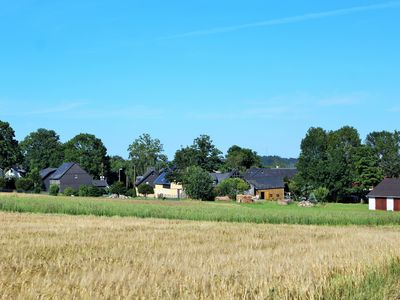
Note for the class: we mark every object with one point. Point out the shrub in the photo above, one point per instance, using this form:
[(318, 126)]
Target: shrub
[(69, 191), (94, 191), (118, 188), (2, 183), (10, 184), (198, 184), (131, 193), (84, 191), (145, 189), (54, 189), (321, 194), (232, 187), (24, 184)]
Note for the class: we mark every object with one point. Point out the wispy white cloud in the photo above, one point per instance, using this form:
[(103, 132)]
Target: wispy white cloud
[(287, 20)]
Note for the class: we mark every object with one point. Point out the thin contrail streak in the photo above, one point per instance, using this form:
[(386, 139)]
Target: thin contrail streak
[(287, 20)]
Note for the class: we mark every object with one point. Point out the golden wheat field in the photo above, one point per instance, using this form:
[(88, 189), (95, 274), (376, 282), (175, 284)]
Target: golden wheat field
[(65, 257)]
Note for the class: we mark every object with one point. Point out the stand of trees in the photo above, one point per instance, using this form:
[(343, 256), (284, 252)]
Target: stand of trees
[(336, 161), (340, 162)]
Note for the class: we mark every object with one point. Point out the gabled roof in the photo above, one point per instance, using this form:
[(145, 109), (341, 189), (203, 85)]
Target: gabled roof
[(162, 179), (388, 188), (266, 183), (218, 177), (46, 172), (62, 170), (149, 177), (264, 178)]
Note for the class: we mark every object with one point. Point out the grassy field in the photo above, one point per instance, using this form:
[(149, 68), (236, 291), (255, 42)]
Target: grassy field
[(87, 257), (331, 214)]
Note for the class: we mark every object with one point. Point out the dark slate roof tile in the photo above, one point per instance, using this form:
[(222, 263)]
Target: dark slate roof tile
[(62, 170), (46, 172), (389, 187)]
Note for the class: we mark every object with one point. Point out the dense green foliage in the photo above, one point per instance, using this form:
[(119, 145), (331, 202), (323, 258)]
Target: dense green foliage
[(89, 191), (202, 153), (273, 161), (145, 189), (89, 152), (131, 193), (69, 191), (337, 161), (231, 187), (386, 147), (118, 188), (24, 184), (321, 194), (146, 152), (238, 158), (9, 150), (198, 183), (2, 183), (269, 212), (54, 189), (42, 149)]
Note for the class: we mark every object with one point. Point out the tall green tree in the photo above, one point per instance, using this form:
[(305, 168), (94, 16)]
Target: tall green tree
[(312, 161), (9, 151), (327, 160), (90, 152), (366, 171), (386, 147), (342, 145), (238, 158), (198, 183), (202, 153), (146, 152), (42, 149)]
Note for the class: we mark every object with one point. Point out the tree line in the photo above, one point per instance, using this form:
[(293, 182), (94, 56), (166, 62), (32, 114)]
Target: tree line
[(336, 163), (43, 149), (340, 163)]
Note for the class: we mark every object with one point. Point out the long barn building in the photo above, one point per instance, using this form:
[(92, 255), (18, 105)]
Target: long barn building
[(386, 195)]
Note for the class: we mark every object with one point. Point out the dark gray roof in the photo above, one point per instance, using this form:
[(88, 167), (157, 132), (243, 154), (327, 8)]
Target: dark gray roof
[(389, 187), (264, 179), (276, 172), (100, 183), (46, 172), (218, 177), (149, 177), (62, 170), (266, 182)]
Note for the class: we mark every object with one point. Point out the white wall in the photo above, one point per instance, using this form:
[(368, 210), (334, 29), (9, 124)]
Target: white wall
[(390, 204), (371, 203)]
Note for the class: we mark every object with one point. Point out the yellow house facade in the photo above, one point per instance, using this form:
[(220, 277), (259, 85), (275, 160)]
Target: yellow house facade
[(271, 194), (172, 190)]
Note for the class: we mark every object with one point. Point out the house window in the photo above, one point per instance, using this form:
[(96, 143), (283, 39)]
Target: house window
[(277, 195), (270, 196)]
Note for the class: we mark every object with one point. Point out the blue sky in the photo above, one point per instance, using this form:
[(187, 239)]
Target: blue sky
[(253, 73)]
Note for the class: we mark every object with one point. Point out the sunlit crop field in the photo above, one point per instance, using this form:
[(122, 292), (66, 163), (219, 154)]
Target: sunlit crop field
[(59, 256)]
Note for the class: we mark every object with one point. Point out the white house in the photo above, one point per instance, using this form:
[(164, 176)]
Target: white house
[(386, 195)]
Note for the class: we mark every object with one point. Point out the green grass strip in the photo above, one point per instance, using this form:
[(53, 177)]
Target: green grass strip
[(271, 212)]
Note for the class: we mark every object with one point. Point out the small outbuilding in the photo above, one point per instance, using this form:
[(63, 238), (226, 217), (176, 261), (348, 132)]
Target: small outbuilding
[(386, 195)]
